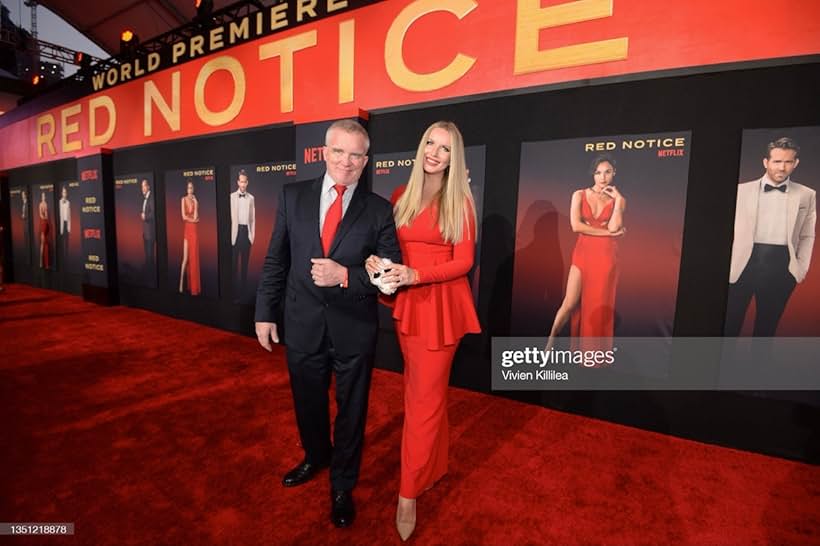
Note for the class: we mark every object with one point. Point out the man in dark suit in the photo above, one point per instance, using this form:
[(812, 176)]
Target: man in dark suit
[(148, 229), (314, 278)]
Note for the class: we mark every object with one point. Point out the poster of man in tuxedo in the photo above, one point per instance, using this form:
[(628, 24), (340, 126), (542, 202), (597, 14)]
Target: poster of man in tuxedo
[(135, 204), (253, 199), (774, 285), (68, 226)]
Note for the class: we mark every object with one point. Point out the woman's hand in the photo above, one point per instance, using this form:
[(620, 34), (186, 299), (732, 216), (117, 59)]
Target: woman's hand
[(399, 275), (618, 233), (373, 264), (613, 192)]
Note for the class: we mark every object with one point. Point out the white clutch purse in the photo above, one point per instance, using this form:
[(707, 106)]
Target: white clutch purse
[(376, 278)]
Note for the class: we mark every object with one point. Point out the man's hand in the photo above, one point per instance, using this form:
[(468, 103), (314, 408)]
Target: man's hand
[(265, 331), (325, 272)]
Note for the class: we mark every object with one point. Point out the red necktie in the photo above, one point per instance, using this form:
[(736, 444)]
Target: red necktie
[(332, 219)]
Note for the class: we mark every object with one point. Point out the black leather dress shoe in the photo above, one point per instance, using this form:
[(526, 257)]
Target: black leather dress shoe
[(342, 511), (301, 474)]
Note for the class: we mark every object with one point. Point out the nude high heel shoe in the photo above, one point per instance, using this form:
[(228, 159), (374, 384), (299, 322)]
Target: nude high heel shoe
[(406, 517)]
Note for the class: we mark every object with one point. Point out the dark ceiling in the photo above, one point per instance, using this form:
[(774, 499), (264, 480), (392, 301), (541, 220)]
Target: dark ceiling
[(103, 21)]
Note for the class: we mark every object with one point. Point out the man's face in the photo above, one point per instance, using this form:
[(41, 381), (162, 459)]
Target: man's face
[(242, 183), (144, 187), (345, 156), (780, 164)]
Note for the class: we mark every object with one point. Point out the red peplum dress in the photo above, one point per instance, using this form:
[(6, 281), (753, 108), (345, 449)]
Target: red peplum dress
[(596, 258), (431, 317), (190, 235)]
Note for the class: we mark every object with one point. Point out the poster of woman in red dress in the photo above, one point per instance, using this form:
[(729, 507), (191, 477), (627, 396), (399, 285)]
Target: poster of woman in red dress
[(191, 231), (586, 265), (597, 216)]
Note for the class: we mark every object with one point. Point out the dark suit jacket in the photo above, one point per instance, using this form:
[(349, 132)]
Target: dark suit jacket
[(286, 290), (148, 228)]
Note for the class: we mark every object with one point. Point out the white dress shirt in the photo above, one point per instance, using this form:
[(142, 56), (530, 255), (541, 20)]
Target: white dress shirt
[(329, 195), (772, 227)]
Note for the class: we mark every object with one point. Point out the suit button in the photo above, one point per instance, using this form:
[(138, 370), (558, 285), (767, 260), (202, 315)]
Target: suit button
[(327, 305)]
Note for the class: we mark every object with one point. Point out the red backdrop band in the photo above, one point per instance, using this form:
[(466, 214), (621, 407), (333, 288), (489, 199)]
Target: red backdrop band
[(404, 52)]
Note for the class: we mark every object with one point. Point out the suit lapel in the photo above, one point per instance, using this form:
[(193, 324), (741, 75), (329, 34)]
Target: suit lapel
[(794, 206), (354, 209), (313, 202)]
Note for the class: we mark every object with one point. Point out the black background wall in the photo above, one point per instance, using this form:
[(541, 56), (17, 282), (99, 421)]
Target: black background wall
[(272, 144), (716, 107), (44, 173)]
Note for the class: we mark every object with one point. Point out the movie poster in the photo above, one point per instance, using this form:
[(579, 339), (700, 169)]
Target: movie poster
[(67, 229), (774, 278), (254, 192), (620, 270), (391, 170), (190, 219), (43, 225), (134, 199), (20, 205)]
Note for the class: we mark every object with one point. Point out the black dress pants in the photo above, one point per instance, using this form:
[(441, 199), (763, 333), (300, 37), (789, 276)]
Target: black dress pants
[(767, 279), (310, 375)]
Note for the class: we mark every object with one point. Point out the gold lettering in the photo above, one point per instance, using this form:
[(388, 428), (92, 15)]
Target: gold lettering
[(138, 70), (278, 16), (196, 46), (125, 72), (347, 33), (69, 128), (177, 50), (303, 7), (399, 72), (111, 76), (239, 31), (285, 49), (532, 18), (233, 67), (153, 61), (103, 101), (170, 114), (46, 138), (333, 5), (216, 38), (98, 81)]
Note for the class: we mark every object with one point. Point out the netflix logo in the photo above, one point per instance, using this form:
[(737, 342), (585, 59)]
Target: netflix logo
[(314, 154), (90, 174)]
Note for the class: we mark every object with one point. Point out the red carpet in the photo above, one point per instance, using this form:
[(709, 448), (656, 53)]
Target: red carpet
[(143, 429)]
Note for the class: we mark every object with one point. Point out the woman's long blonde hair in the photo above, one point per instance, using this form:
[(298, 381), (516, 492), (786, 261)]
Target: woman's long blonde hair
[(455, 199)]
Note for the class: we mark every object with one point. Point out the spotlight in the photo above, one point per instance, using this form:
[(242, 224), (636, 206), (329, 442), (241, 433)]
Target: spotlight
[(129, 42), (35, 80)]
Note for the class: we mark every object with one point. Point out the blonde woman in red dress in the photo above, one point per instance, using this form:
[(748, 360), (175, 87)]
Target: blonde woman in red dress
[(433, 308)]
